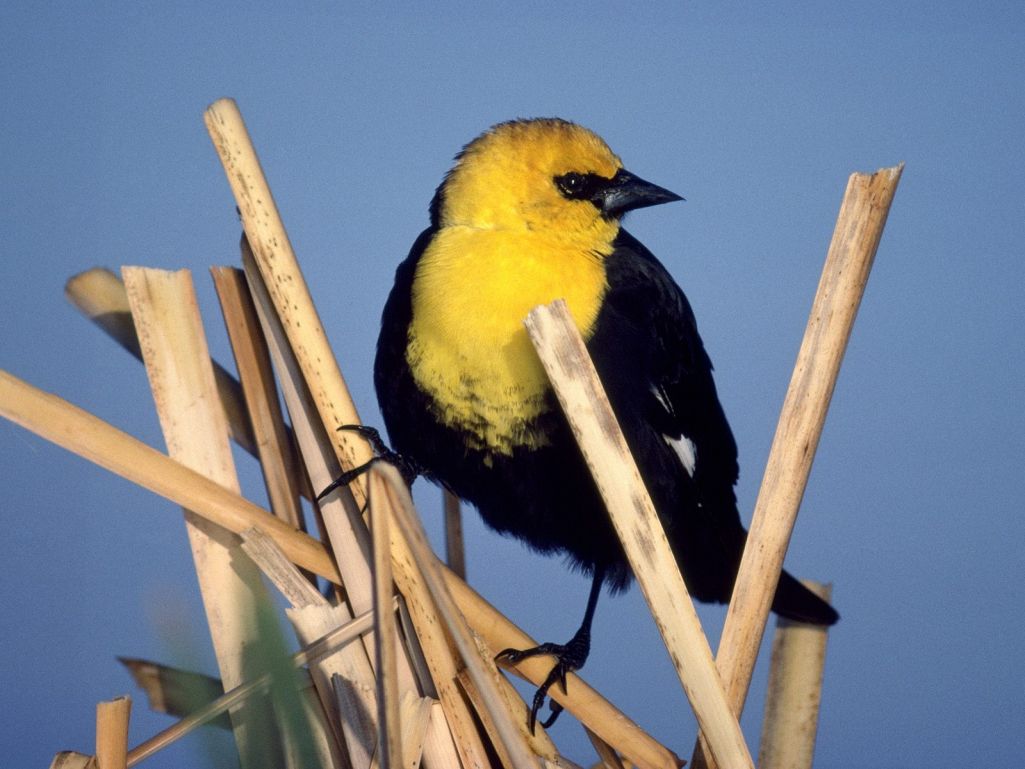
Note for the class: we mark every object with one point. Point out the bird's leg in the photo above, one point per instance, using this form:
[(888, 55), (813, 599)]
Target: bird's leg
[(406, 466), (569, 656)]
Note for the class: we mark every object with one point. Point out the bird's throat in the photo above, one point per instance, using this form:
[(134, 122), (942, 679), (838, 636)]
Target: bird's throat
[(468, 349)]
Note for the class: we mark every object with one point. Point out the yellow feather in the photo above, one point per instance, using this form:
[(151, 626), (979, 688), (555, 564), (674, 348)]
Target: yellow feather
[(508, 242)]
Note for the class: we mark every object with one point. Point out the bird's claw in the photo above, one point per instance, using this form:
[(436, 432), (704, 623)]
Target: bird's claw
[(406, 466), (568, 658)]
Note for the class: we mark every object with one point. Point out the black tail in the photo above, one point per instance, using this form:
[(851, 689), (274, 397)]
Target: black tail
[(796, 602)]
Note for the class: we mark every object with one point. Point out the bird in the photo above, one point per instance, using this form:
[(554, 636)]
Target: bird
[(531, 211)]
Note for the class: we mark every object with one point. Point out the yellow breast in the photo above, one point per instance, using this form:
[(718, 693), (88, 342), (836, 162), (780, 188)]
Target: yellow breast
[(468, 349)]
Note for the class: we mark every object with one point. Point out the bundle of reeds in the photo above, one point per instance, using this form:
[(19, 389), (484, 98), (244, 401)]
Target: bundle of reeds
[(395, 667)]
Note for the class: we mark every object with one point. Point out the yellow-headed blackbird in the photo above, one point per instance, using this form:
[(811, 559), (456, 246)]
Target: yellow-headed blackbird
[(531, 213)]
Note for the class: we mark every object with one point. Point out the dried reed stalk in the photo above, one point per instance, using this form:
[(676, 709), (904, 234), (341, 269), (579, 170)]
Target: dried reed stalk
[(608, 757), (390, 490), (342, 518), (100, 295), (70, 759), (272, 561), (859, 228), (84, 434), (284, 283), (283, 279), (583, 400), (348, 535), (323, 646), (455, 551), (389, 729), (794, 692), (76, 430), (112, 733), (178, 364), (586, 705), (277, 453), (312, 616)]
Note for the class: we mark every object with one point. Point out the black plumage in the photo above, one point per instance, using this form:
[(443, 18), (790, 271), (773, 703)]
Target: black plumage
[(652, 362)]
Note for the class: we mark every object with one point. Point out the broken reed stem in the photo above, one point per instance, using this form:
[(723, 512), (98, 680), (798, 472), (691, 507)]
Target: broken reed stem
[(346, 683), (69, 759), (277, 453), (177, 361), (341, 518), (279, 571), (100, 295), (583, 400), (455, 552), (68, 426), (173, 691), (346, 530), (582, 701), (395, 497), (80, 432), (350, 543), (284, 281), (794, 692), (389, 727), (112, 733), (608, 757), (236, 514), (859, 228), (328, 644)]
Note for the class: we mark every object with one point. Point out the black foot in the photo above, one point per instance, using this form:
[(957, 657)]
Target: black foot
[(569, 657), (407, 467)]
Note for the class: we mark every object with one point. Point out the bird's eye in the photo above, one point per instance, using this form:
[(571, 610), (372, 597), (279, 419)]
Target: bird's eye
[(572, 185)]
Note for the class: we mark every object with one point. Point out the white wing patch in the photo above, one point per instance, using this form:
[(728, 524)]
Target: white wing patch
[(683, 446), (685, 450)]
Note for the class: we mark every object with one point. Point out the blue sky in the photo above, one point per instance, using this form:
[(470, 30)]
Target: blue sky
[(756, 116)]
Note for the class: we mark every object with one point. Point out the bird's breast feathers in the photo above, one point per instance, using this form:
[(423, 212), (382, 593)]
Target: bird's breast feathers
[(468, 349)]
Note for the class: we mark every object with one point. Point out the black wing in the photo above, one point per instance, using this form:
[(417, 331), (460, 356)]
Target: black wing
[(659, 379), (649, 353)]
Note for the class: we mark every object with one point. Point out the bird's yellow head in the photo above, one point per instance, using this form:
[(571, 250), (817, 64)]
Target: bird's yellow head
[(529, 213), (544, 175)]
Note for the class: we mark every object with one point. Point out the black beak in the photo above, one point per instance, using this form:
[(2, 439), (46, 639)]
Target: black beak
[(626, 192)]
